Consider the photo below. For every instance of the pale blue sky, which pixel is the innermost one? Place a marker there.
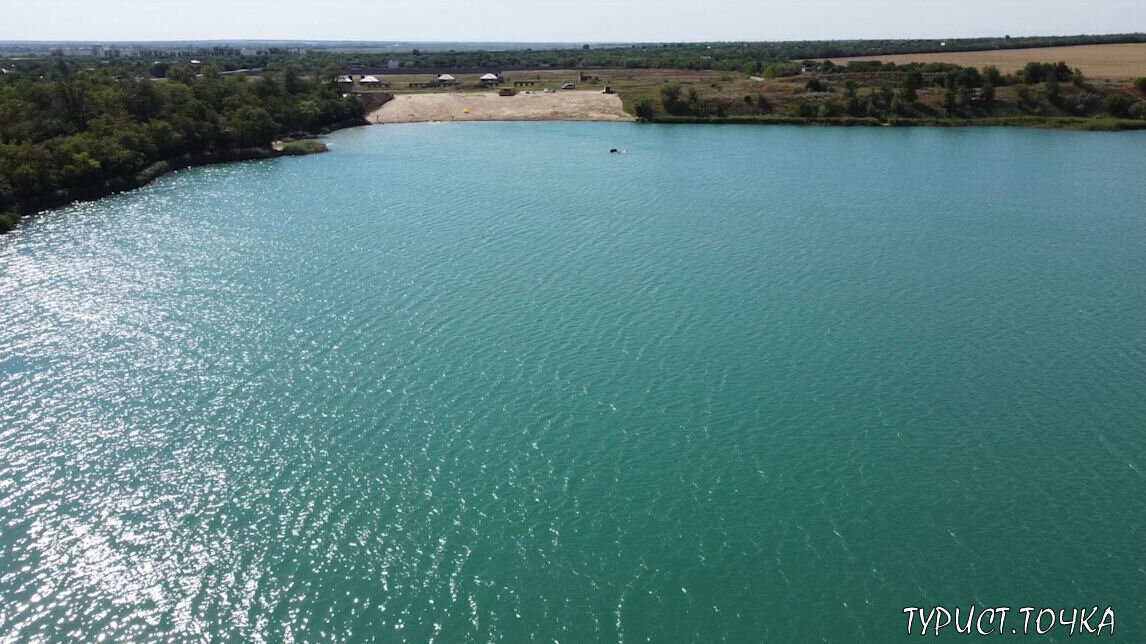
(559, 20)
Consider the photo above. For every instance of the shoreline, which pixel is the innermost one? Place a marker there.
(126, 183)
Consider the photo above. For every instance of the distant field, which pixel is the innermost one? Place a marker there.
(1096, 61)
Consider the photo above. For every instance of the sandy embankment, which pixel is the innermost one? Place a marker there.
(567, 105)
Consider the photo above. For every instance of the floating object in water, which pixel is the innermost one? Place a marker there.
(614, 151)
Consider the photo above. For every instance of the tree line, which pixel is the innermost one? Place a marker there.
(71, 128)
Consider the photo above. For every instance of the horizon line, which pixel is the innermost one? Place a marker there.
(539, 42)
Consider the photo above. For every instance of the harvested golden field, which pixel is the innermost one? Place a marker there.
(1095, 61)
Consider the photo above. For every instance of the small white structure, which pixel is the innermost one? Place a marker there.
(446, 79)
(490, 80)
(344, 80)
(370, 81)
(393, 64)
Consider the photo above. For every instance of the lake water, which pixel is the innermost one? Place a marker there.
(488, 382)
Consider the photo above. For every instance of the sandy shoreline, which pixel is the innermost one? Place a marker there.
(567, 105)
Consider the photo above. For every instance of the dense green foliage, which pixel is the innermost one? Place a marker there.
(70, 128)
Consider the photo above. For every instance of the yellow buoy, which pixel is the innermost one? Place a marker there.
(466, 111)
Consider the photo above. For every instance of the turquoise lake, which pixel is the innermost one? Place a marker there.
(488, 382)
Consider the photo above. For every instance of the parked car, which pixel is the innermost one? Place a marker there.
(568, 86)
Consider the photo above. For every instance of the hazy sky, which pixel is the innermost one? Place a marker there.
(559, 20)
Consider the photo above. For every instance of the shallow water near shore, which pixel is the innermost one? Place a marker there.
(488, 382)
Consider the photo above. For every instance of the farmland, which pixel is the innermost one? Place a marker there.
(1096, 61)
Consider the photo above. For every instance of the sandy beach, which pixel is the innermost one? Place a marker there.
(568, 105)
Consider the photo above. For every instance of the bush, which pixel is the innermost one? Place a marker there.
(831, 109)
(802, 110)
(1140, 84)
(1024, 94)
(1117, 106)
(670, 99)
(643, 109)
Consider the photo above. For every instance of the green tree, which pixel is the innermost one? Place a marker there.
(1023, 93)
(900, 105)
(912, 83)
(988, 90)
(670, 99)
(950, 100)
(991, 75)
(643, 109)
(1117, 105)
(1052, 89)
(253, 126)
(292, 82)
(697, 106)
(181, 74)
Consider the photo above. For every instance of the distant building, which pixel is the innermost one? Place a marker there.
(344, 80)
(446, 80)
(393, 64)
(490, 80)
(371, 81)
